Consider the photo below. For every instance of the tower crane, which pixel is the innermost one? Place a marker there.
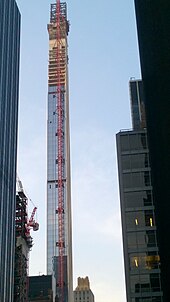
(31, 223)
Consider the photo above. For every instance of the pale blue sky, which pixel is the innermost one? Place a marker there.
(103, 55)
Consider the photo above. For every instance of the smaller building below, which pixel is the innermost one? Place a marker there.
(40, 289)
(83, 293)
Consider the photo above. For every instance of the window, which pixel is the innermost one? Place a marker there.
(136, 180)
(138, 199)
(145, 261)
(140, 283)
(124, 141)
(138, 219)
(155, 282)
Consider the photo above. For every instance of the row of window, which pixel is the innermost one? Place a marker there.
(139, 240)
(143, 283)
(144, 261)
(138, 219)
(138, 199)
(136, 180)
(132, 142)
(135, 161)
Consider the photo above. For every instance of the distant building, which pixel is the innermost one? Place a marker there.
(141, 250)
(40, 289)
(9, 84)
(83, 293)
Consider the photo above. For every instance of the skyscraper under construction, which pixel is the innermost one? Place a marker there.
(59, 235)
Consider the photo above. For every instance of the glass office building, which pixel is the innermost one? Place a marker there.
(141, 251)
(9, 80)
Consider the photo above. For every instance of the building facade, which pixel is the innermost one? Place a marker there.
(59, 228)
(153, 28)
(40, 289)
(137, 104)
(83, 293)
(139, 229)
(9, 82)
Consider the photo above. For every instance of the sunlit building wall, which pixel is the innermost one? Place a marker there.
(83, 293)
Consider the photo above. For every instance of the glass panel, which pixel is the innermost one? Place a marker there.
(155, 282)
(144, 261)
(124, 141)
(139, 161)
(131, 238)
(134, 144)
(151, 238)
(136, 180)
(141, 239)
(126, 162)
(138, 219)
(138, 199)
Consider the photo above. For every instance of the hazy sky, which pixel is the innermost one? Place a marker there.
(103, 55)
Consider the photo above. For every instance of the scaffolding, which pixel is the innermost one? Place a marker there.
(23, 245)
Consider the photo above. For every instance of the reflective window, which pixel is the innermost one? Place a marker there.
(136, 180)
(138, 141)
(151, 238)
(135, 161)
(131, 239)
(126, 162)
(140, 283)
(138, 199)
(141, 239)
(124, 140)
(155, 282)
(144, 261)
(139, 219)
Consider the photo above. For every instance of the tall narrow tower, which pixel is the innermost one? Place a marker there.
(59, 235)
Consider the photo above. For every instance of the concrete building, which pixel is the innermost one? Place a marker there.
(139, 229)
(59, 227)
(153, 27)
(9, 82)
(83, 293)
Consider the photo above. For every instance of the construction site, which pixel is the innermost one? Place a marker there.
(23, 245)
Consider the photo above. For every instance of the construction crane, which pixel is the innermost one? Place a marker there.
(31, 223)
(60, 135)
(24, 243)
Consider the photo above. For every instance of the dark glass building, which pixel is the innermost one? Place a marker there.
(9, 82)
(40, 288)
(141, 251)
(153, 26)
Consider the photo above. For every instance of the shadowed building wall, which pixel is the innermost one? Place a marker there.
(153, 26)
(9, 82)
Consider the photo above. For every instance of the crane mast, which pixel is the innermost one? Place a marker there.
(60, 147)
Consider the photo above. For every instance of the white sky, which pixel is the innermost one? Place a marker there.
(103, 55)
